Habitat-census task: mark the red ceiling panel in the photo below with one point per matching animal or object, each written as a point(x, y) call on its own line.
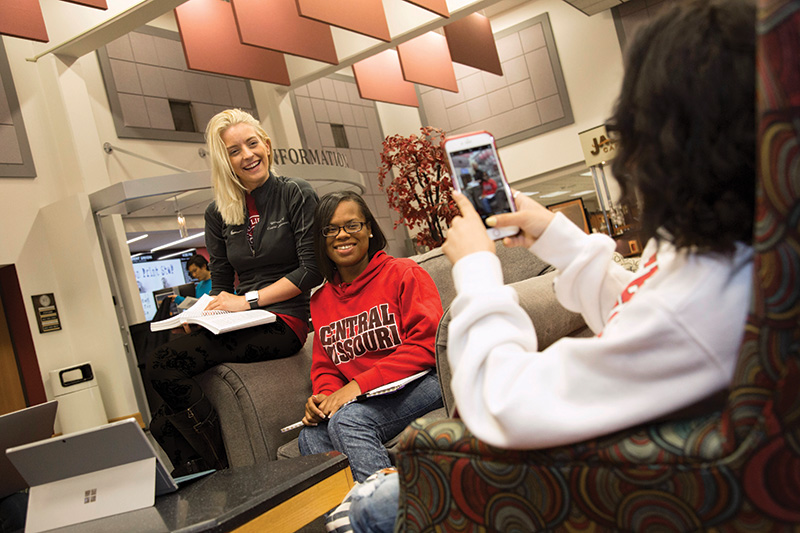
point(99, 4)
point(278, 26)
point(426, 60)
point(361, 16)
point(23, 18)
point(211, 43)
point(438, 7)
point(380, 78)
point(471, 43)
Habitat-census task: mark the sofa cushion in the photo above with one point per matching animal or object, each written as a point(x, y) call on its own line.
point(517, 264)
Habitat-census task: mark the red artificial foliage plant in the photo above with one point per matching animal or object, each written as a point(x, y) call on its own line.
point(421, 190)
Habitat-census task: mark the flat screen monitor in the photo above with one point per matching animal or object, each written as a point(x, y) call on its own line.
point(160, 294)
point(152, 276)
point(187, 289)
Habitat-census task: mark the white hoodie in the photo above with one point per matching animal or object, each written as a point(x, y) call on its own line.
point(667, 337)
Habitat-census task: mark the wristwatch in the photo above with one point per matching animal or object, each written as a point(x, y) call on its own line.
point(252, 299)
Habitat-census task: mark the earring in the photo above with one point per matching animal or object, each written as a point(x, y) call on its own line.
point(370, 235)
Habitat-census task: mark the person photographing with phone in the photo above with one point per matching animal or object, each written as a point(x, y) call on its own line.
point(667, 337)
point(666, 327)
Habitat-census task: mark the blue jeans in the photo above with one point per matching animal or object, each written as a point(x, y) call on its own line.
point(360, 429)
point(373, 506)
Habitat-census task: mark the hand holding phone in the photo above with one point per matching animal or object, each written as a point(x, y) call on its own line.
point(531, 218)
point(464, 238)
point(476, 172)
point(466, 235)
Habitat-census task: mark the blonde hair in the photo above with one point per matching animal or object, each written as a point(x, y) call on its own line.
point(228, 189)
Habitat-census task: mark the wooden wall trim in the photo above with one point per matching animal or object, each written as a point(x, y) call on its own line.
point(14, 305)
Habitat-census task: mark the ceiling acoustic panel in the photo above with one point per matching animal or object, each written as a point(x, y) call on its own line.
point(23, 18)
point(277, 25)
point(211, 43)
point(438, 7)
point(471, 43)
point(98, 4)
point(593, 7)
point(380, 78)
point(426, 60)
point(361, 16)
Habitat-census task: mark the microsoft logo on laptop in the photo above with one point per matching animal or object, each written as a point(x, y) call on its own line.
point(90, 496)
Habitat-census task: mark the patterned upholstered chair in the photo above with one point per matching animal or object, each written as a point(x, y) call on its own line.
point(735, 470)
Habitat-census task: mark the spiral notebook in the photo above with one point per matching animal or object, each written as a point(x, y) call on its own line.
point(215, 321)
point(389, 387)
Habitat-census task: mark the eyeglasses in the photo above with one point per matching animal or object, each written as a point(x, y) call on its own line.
point(349, 228)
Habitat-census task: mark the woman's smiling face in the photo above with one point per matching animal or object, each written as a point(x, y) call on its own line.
point(248, 154)
point(349, 252)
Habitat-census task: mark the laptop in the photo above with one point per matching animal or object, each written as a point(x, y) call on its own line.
point(90, 474)
point(21, 427)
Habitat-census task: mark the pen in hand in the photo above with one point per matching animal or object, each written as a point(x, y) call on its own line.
point(297, 425)
point(292, 426)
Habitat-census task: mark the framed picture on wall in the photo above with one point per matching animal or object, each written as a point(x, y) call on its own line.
point(573, 210)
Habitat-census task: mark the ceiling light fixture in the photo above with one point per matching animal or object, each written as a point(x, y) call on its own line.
point(531, 193)
point(589, 173)
point(554, 194)
point(139, 238)
point(173, 243)
point(178, 253)
point(184, 232)
point(581, 193)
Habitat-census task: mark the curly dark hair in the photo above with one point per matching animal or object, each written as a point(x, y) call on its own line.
point(685, 122)
point(322, 217)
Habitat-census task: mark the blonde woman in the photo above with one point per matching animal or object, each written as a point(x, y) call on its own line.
point(259, 228)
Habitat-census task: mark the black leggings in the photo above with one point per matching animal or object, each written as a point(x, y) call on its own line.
point(171, 369)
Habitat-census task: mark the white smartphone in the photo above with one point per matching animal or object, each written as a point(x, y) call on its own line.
point(476, 172)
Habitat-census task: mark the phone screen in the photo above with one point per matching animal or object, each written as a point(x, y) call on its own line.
point(477, 175)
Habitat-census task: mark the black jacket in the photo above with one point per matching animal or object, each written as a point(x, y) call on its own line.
point(282, 242)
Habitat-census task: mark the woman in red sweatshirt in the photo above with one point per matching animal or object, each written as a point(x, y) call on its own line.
point(375, 323)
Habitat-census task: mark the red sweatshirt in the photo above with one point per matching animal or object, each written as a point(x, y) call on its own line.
point(377, 329)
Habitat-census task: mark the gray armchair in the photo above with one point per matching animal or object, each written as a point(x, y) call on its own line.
point(255, 400)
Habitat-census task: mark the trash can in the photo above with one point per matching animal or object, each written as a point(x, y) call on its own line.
point(80, 405)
